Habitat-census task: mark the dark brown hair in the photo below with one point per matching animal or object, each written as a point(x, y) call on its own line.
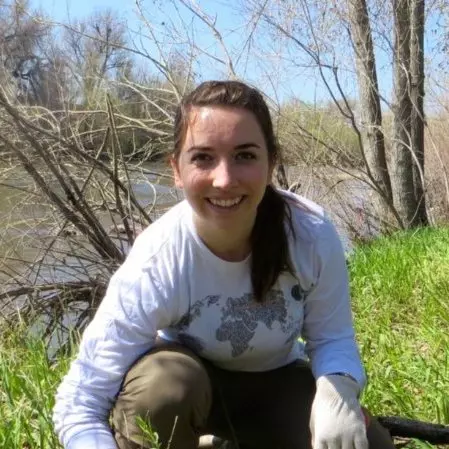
point(269, 241)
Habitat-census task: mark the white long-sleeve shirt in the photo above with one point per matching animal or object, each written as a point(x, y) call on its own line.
point(172, 284)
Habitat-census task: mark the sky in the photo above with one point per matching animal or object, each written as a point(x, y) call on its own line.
point(295, 79)
point(62, 9)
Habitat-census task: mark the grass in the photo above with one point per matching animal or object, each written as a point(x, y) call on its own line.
point(400, 289)
point(28, 382)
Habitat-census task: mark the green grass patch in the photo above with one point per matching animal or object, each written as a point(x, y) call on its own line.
point(400, 289)
point(28, 382)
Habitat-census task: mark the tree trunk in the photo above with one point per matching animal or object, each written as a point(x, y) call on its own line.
point(402, 160)
point(417, 98)
point(373, 138)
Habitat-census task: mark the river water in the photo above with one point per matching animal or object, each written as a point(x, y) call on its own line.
point(26, 220)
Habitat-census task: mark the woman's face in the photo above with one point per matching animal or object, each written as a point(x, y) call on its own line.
point(223, 167)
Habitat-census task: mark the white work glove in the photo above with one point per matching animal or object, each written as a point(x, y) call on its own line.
point(337, 420)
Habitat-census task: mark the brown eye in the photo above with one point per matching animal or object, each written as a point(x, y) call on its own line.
point(246, 156)
point(201, 157)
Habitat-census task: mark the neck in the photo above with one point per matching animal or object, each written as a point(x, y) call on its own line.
point(230, 244)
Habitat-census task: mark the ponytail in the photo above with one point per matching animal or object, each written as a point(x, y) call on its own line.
point(269, 243)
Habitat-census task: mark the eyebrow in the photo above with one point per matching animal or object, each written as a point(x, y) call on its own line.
point(242, 146)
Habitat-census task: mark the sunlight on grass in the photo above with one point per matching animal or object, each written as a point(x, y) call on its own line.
point(400, 288)
point(27, 384)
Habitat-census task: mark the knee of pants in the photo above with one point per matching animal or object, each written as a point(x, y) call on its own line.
point(162, 386)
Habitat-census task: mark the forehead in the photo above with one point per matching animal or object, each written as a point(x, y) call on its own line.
point(221, 124)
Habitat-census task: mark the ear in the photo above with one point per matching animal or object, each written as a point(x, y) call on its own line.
point(176, 174)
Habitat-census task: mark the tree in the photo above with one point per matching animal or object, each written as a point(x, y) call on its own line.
point(417, 96)
point(408, 118)
point(25, 66)
point(408, 148)
point(373, 149)
point(94, 47)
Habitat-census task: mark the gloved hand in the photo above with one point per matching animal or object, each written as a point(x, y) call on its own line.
point(337, 420)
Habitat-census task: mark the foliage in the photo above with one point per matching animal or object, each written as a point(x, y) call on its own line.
point(28, 381)
point(66, 73)
point(317, 135)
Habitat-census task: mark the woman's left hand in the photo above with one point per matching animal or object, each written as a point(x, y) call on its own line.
point(337, 420)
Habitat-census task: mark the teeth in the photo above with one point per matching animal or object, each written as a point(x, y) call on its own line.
point(225, 203)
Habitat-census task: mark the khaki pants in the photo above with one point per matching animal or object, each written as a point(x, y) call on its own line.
point(183, 396)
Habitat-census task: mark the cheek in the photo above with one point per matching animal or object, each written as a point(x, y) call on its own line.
point(195, 181)
point(258, 177)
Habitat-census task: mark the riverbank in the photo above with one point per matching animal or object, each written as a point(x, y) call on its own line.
point(400, 289)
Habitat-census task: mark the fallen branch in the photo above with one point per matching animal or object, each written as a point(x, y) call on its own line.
point(410, 428)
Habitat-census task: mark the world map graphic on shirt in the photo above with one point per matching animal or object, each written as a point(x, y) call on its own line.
point(239, 320)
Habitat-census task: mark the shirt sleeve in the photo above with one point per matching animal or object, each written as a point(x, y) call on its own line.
point(124, 327)
point(328, 327)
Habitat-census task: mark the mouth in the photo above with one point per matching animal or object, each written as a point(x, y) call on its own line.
point(226, 203)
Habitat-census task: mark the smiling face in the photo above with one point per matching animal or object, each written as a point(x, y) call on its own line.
point(223, 167)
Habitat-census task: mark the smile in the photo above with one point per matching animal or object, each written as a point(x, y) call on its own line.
point(226, 203)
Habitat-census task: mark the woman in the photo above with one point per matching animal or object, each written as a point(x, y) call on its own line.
point(198, 331)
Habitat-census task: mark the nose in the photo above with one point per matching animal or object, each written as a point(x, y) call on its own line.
point(224, 175)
